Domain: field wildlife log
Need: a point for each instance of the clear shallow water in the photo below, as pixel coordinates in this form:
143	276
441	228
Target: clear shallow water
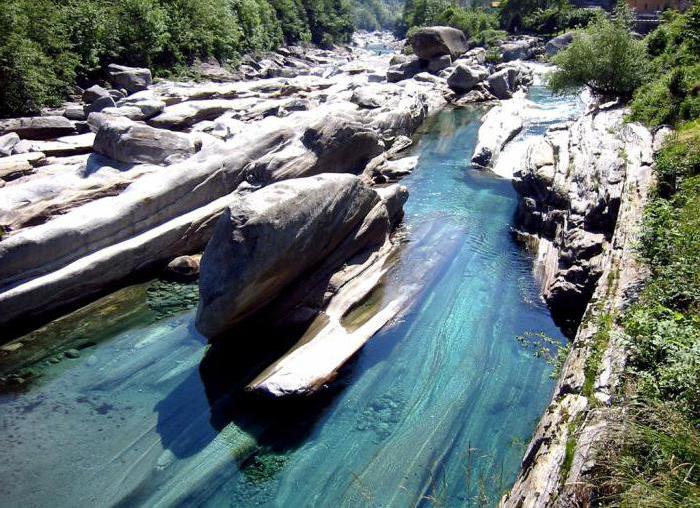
435	411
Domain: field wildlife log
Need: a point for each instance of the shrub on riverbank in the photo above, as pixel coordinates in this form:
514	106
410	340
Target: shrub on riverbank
657	453
606	57
46	44
673	95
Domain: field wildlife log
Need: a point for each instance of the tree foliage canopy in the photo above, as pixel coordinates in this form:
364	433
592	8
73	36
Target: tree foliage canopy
45	45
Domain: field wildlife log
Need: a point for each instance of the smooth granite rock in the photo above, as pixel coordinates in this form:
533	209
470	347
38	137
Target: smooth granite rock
124	140
498	127
8	142
93	93
430	42
99	104
464	78
38	127
264	242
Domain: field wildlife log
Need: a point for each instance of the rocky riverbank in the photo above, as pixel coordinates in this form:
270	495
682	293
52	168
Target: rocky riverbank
583	188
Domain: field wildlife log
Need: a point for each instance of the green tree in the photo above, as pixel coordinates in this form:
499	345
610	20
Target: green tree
292	17
606	57
37	66
142	27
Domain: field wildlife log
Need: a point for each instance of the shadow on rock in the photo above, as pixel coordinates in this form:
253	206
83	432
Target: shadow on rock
277	424
210	398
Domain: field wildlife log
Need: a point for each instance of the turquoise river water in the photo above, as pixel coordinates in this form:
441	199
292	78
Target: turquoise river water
434	411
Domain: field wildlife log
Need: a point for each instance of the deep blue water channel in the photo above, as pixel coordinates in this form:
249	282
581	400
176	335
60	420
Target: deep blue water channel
435	411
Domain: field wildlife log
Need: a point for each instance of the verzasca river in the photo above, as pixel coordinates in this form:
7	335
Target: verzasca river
435	411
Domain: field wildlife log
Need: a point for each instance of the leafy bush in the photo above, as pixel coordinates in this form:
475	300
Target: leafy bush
665	325
605	57
674	94
36	66
376	14
420	13
480	26
544	16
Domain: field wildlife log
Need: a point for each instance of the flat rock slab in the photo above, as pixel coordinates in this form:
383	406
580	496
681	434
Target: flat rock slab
38	127
186	114
66	145
17	165
123	140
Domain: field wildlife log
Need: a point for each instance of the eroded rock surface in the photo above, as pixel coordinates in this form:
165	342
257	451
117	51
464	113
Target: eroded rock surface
571	185
498	126
72	219
594	188
247	263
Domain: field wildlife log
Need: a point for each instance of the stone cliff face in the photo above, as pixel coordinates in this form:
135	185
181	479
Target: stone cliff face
583	191
572	184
